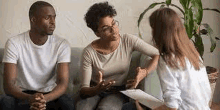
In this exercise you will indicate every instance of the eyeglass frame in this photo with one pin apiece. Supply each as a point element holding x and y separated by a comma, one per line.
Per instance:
<point>109,28</point>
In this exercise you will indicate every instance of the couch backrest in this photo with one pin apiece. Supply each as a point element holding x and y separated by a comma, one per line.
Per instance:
<point>74,82</point>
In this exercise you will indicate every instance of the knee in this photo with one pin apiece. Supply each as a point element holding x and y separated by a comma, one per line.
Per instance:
<point>66,103</point>
<point>7,102</point>
<point>87,104</point>
<point>83,104</point>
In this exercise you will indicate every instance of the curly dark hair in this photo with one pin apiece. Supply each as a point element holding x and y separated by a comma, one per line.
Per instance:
<point>36,6</point>
<point>97,11</point>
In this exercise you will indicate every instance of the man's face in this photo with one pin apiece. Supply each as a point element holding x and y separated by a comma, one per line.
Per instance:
<point>45,20</point>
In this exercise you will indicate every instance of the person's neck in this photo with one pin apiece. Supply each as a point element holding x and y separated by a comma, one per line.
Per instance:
<point>37,38</point>
<point>109,45</point>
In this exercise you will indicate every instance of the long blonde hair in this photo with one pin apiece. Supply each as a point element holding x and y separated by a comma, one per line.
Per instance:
<point>171,39</point>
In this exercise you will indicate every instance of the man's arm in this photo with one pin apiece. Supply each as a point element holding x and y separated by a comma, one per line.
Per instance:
<point>62,82</point>
<point>9,83</point>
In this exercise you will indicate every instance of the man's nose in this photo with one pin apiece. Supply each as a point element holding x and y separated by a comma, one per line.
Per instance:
<point>52,20</point>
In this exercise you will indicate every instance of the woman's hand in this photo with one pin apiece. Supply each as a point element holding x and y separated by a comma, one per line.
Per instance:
<point>103,85</point>
<point>215,106</point>
<point>138,106</point>
<point>140,74</point>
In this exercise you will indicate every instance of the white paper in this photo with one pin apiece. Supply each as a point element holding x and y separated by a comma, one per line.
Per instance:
<point>143,98</point>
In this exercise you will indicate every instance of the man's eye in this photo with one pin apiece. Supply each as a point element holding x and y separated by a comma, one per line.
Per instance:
<point>47,18</point>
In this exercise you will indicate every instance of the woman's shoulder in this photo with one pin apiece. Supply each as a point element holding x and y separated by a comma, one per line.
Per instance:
<point>88,48</point>
<point>128,36</point>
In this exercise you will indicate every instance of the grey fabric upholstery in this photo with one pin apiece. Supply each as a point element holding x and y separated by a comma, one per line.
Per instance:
<point>76,52</point>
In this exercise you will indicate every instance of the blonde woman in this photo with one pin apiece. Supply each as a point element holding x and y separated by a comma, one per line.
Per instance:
<point>182,75</point>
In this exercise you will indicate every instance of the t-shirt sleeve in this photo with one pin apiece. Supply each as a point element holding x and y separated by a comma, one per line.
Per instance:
<point>85,69</point>
<point>141,46</point>
<point>64,54</point>
<point>169,85</point>
<point>10,53</point>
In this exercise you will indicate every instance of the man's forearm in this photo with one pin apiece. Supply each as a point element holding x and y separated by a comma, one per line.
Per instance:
<point>59,90</point>
<point>11,89</point>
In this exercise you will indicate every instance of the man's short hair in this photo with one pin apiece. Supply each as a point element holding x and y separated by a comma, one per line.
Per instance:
<point>36,6</point>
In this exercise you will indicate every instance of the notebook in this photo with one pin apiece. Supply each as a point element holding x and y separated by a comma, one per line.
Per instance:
<point>143,98</point>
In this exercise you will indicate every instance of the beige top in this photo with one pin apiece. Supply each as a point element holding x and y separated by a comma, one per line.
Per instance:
<point>114,65</point>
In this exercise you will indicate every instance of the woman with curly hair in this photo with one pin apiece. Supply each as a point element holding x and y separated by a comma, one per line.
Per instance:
<point>105,62</point>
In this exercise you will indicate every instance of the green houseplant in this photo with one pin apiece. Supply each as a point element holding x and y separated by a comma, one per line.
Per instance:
<point>192,15</point>
<point>192,12</point>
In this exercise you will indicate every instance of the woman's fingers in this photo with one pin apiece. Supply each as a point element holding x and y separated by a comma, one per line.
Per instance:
<point>138,69</point>
<point>100,76</point>
<point>131,84</point>
<point>138,106</point>
<point>106,84</point>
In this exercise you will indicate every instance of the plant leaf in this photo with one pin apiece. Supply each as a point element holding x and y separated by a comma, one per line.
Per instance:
<point>216,10</point>
<point>197,11</point>
<point>143,13</point>
<point>162,6</point>
<point>148,8</point>
<point>168,2</point>
<point>189,22</point>
<point>177,8</point>
<point>185,3</point>
<point>211,36</point>
<point>199,44</point>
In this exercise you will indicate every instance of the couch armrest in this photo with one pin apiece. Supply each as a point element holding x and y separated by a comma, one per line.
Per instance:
<point>151,84</point>
<point>1,78</point>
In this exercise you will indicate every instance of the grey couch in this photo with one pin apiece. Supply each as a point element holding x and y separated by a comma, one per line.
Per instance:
<point>150,84</point>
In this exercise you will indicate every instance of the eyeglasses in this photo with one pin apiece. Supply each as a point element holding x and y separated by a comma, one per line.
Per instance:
<point>108,29</point>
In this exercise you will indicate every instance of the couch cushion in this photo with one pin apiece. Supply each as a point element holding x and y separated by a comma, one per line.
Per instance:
<point>74,66</point>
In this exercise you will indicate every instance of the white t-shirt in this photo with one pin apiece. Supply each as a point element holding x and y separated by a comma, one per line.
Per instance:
<point>36,65</point>
<point>114,65</point>
<point>186,89</point>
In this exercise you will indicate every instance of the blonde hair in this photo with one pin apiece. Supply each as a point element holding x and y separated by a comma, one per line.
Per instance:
<point>171,39</point>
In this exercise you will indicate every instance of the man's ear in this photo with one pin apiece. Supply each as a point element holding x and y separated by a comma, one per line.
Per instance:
<point>97,34</point>
<point>33,20</point>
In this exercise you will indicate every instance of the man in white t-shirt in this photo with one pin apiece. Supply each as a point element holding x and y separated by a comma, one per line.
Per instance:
<point>36,69</point>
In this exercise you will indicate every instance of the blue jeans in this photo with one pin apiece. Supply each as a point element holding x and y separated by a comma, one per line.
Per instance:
<point>131,106</point>
<point>9,102</point>
<point>103,101</point>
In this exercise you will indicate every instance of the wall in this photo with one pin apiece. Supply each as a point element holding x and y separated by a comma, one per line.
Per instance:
<point>70,24</point>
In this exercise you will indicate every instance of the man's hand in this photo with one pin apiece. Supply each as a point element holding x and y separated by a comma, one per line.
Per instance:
<point>37,102</point>
<point>103,85</point>
<point>140,74</point>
